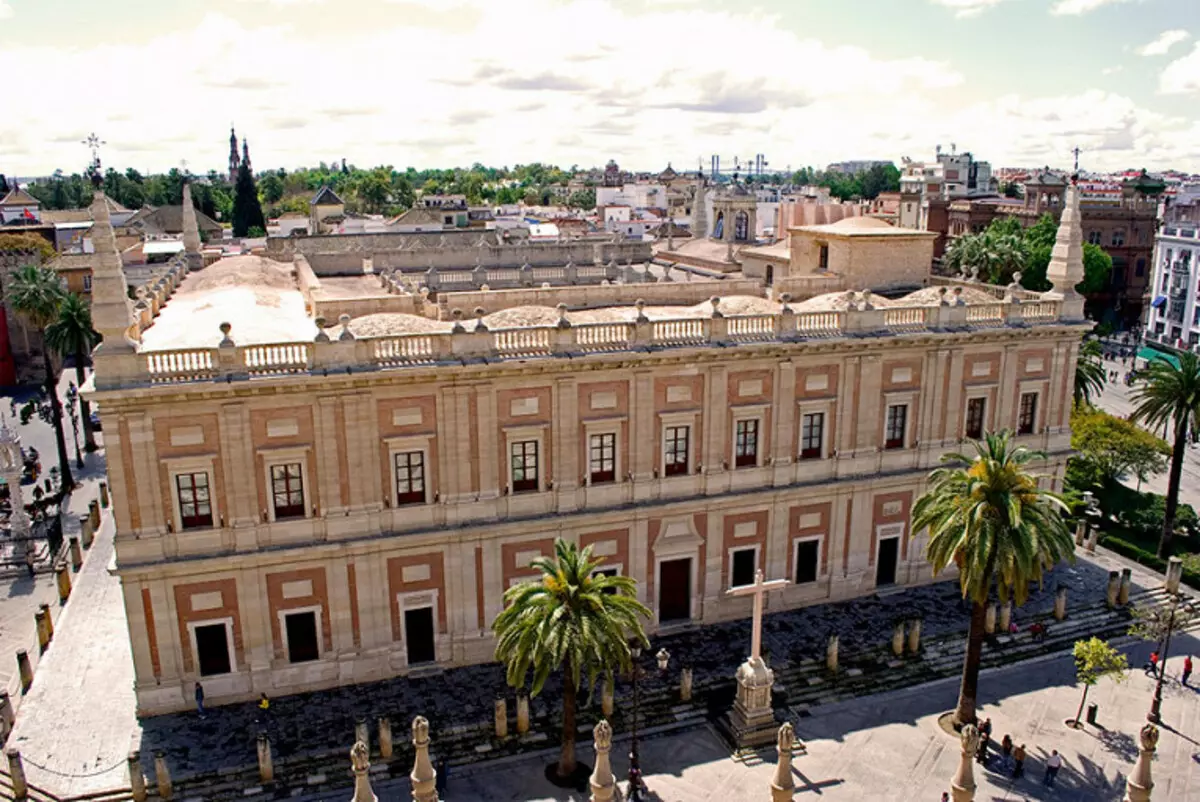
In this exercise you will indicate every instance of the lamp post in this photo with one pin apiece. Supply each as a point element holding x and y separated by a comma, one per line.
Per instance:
<point>1156,705</point>
<point>635,768</point>
<point>663,658</point>
<point>73,411</point>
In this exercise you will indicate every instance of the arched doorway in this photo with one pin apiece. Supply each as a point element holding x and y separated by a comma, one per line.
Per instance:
<point>719,226</point>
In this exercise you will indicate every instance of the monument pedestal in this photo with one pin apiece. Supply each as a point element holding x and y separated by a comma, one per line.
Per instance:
<point>751,724</point>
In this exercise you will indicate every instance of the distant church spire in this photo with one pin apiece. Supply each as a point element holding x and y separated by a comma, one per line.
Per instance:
<point>233,154</point>
<point>246,154</point>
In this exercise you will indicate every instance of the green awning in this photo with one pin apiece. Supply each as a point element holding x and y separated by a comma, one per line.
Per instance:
<point>1150,354</point>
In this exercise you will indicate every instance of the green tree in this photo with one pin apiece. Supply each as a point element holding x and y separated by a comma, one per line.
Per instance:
<point>271,188</point>
<point>36,294</point>
<point>1097,269</point>
<point>582,199</point>
<point>1090,376</point>
<point>1170,396</point>
<point>569,619</point>
<point>1110,448</point>
<point>71,335</point>
<point>987,515</point>
<point>247,211</point>
<point>1095,660</point>
<point>27,242</point>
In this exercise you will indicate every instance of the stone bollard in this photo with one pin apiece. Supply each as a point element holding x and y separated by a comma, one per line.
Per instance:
<point>137,778</point>
<point>1092,540</point>
<point>1174,575</point>
<point>45,609</point>
<point>266,766</point>
<point>16,775</point>
<point>63,575</point>
<point>361,733</point>
<point>385,737</point>
<point>1080,531</point>
<point>989,619</point>
<point>43,631</point>
<point>685,684</point>
<point>606,697</point>
<point>602,781</point>
<point>898,640</point>
<point>76,554</point>
<point>522,714</point>
<point>163,775</point>
<point>963,785</point>
<point>25,669</point>
<point>1060,604</point>
<point>831,654</point>
<point>86,533</point>
<point>1005,616</point>
<point>501,717</point>
<point>914,636</point>
<point>360,762</point>
<point>1126,586</point>
<point>1114,588</point>
<point>783,785</point>
<point>1140,783</point>
<point>7,715</point>
<point>104,495</point>
<point>94,513</point>
<point>423,777</point>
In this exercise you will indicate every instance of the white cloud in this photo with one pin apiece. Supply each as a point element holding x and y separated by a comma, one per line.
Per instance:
<point>1182,76</point>
<point>5,10</point>
<point>1163,43</point>
<point>284,2</point>
<point>1076,7</point>
<point>1112,70</point>
<point>968,8</point>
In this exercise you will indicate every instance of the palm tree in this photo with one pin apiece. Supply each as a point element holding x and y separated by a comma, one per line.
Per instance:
<point>986,515</point>
<point>1089,373</point>
<point>568,619</point>
<point>36,294</point>
<point>1170,395</point>
<point>72,335</point>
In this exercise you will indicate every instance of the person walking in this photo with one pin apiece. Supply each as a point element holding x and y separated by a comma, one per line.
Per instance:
<point>1187,670</point>
<point>1019,762</point>
<point>985,736</point>
<point>29,561</point>
<point>1053,764</point>
<point>1151,667</point>
<point>200,699</point>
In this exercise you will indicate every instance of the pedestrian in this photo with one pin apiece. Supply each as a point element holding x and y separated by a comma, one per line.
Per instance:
<point>985,736</point>
<point>945,796</point>
<point>1187,669</point>
<point>443,774</point>
<point>1053,764</point>
<point>1006,748</point>
<point>1019,762</point>
<point>29,561</point>
<point>264,704</point>
<point>1151,667</point>
<point>200,699</point>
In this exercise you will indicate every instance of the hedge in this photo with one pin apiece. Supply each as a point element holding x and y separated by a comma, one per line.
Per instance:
<point>1146,558</point>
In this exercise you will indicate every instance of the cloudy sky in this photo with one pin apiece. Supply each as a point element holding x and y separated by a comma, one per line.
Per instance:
<point>451,82</point>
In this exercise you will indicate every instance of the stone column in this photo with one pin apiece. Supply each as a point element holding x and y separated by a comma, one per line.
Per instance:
<point>360,762</point>
<point>7,715</point>
<point>831,654</point>
<point>782,785</point>
<point>914,636</point>
<point>898,640</point>
<point>385,737</point>
<point>266,766</point>
<point>963,785</point>
<point>361,733</point>
<point>86,535</point>
<point>1114,587</point>
<point>1060,604</point>
<point>1005,616</point>
<point>606,697</point>
<point>45,609</point>
<point>522,713</point>
<point>16,772</point>
<point>989,619</point>
<point>137,780</point>
<point>1140,784</point>
<point>602,781</point>
<point>1126,586</point>
<point>76,554</point>
<point>423,777</point>
<point>685,684</point>
<point>41,619</point>
<point>1080,531</point>
<point>163,775</point>
<point>25,669</point>
<point>501,717</point>
<point>104,495</point>
<point>1174,574</point>
<point>1092,540</point>
<point>63,575</point>
<point>94,513</point>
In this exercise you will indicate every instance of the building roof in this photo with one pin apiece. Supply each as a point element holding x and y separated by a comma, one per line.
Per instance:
<point>419,216</point>
<point>326,197</point>
<point>863,227</point>
<point>1045,178</point>
<point>19,197</point>
<point>80,215</point>
<point>168,220</point>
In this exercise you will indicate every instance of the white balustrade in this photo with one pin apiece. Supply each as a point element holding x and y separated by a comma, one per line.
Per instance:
<point>986,314</point>
<point>277,358</point>
<point>552,274</point>
<point>522,342</point>
<point>744,328</point>
<point>181,365</point>
<point>678,331</point>
<point>604,336</point>
<point>1040,311</point>
<point>821,324</point>
<point>907,318</point>
<point>406,349</point>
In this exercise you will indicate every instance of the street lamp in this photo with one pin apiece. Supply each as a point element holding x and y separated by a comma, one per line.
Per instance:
<point>72,410</point>
<point>663,657</point>
<point>1156,705</point>
<point>635,769</point>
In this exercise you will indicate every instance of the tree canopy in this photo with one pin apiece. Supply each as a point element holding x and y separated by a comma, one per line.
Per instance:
<point>1111,448</point>
<point>865,184</point>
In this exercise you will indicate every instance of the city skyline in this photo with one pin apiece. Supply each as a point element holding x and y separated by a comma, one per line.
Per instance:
<point>419,83</point>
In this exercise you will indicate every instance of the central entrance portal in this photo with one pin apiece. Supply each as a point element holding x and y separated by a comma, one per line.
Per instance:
<point>418,635</point>
<point>675,590</point>
<point>885,564</point>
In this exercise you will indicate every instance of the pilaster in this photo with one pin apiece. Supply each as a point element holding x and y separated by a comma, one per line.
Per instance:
<point>784,441</point>
<point>328,436</point>
<point>490,442</point>
<point>237,457</point>
<point>715,419</point>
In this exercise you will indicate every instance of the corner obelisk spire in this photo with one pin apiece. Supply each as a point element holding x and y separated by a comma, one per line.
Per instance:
<point>1066,260</point>
<point>191,230</point>
<point>112,312</point>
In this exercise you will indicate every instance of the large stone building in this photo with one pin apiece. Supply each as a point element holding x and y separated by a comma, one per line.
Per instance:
<point>1173,318</point>
<point>300,508</point>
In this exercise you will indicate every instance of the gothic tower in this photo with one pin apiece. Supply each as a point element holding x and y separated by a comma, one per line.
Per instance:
<point>246,154</point>
<point>233,154</point>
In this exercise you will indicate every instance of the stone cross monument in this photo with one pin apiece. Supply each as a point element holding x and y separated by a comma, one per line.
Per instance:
<point>963,786</point>
<point>783,786</point>
<point>752,722</point>
<point>360,761</point>
<point>602,781</point>
<point>1139,785</point>
<point>423,777</point>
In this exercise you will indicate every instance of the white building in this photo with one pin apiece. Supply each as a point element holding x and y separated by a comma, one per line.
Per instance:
<point>1174,315</point>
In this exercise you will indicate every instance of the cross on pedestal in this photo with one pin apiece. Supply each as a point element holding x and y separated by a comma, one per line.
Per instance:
<point>757,589</point>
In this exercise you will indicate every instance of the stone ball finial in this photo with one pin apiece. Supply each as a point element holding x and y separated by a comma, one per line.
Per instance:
<point>457,314</point>
<point>942,296</point>
<point>716,303</point>
<point>420,731</point>
<point>602,734</point>
<point>344,319</point>
<point>785,297</point>
<point>226,340</point>
<point>226,328</point>
<point>360,757</point>
<point>970,739</point>
<point>480,311</point>
<point>563,323</point>
<point>485,288</point>
<point>1149,737</point>
<point>786,738</point>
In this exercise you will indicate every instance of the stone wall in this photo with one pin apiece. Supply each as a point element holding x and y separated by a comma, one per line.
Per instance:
<point>882,262</point>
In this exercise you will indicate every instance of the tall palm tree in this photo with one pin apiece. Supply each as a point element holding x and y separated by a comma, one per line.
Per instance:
<point>986,514</point>
<point>72,335</point>
<point>1170,395</point>
<point>1089,373</point>
<point>36,293</point>
<point>568,619</point>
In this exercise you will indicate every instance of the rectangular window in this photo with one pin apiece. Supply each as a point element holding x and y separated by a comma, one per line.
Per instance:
<point>287,490</point>
<point>823,258</point>
<point>742,565</point>
<point>1118,237</point>
<point>675,462</point>
<point>602,458</point>
<point>1094,237</point>
<point>812,434</point>
<point>607,572</point>
<point>525,466</point>
<point>195,506</point>
<point>975,410</point>
<point>746,445</point>
<point>212,650</point>
<point>897,420</point>
<point>808,552</point>
<point>302,637</point>
<point>87,282</point>
<point>410,478</point>
<point>1028,414</point>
